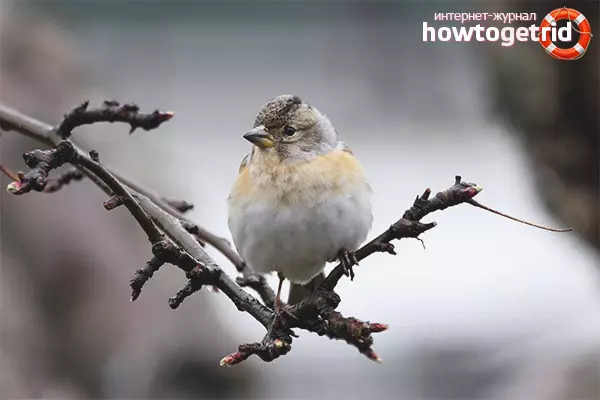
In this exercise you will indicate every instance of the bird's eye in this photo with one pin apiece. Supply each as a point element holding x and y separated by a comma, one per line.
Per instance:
<point>289,130</point>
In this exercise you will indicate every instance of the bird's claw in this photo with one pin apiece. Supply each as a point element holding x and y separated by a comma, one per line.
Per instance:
<point>281,312</point>
<point>348,260</point>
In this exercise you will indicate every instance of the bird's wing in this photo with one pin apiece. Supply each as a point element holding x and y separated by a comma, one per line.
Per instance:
<point>244,162</point>
<point>344,147</point>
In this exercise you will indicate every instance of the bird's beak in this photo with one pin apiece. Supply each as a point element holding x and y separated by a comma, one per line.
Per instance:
<point>260,137</point>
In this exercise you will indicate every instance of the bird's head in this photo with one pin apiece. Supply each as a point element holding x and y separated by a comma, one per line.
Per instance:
<point>292,129</point>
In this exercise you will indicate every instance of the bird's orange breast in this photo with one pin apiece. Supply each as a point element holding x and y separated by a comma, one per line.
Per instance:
<point>267,178</point>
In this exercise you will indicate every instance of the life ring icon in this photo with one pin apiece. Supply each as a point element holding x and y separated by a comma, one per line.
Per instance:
<point>583,28</point>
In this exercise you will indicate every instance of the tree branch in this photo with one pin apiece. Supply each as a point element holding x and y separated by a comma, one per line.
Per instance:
<point>111,111</point>
<point>317,312</point>
<point>173,228</point>
<point>409,226</point>
<point>13,120</point>
<point>173,236</point>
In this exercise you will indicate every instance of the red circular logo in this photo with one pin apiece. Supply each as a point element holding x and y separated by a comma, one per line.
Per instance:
<point>582,27</point>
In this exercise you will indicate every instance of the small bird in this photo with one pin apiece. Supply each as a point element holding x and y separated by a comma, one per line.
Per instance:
<point>301,198</point>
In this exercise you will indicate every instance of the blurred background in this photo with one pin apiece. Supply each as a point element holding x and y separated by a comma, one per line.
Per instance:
<point>490,310</point>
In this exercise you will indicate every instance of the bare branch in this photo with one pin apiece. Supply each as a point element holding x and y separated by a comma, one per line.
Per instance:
<point>142,275</point>
<point>63,179</point>
<point>41,163</point>
<point>111,111</point>
<point>248,279</point>
<point>409,226</point>
<point>173,228</point>
<point>11,119</point>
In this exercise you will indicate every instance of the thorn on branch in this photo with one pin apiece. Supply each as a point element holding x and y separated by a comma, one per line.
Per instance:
<point>198,276</point>
<point>385,247</point>
<point>190,228</point>
<point>94,156</point>
<point>189,289</point>
<point>107,103</point>
<point>111,111</point>
<point>180,205</point>
<point>194,230</point>
<point>114,202</point>
<point>142,275</point>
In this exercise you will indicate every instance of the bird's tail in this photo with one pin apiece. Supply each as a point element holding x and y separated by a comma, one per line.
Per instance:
<point>300,292</point>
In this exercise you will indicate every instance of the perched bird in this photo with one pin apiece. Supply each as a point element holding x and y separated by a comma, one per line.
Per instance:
<point>301,198</point>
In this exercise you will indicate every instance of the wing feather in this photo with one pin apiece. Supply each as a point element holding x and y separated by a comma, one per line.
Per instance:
<point>244,163</point>
<point>344,147</point>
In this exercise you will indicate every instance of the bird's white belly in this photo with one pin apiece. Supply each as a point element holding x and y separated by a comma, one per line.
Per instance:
<point>298,239</point>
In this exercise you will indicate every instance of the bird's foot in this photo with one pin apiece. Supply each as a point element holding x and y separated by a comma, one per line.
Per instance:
<point>281,312</point>
<point>348,260</point>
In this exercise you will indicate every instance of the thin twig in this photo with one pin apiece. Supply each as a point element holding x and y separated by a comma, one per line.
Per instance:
<point>8,172</point>
<point>546,228</point>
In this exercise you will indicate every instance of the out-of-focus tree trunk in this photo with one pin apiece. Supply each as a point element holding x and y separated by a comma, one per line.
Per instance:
<point>554,105</point>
